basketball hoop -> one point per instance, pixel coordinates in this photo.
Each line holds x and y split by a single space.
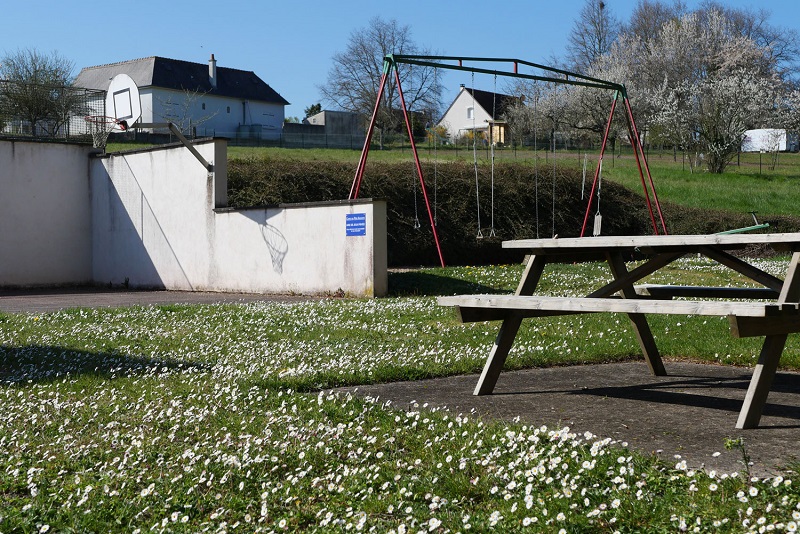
100 126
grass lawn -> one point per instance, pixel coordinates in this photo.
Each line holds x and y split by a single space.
215 418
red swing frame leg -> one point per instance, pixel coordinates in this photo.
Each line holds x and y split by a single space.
356 186
641 163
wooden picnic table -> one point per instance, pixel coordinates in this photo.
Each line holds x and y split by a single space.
775 315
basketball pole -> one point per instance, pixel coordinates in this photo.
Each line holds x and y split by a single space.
174 129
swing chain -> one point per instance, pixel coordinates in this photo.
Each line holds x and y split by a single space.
417 224
475 159
598 217
492 134
536 156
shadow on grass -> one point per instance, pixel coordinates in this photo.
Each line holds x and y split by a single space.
416 283
38 363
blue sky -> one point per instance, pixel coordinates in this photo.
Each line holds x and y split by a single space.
289 43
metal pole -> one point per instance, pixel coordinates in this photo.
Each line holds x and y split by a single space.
646 166
636 145
362 162
419 167
599 164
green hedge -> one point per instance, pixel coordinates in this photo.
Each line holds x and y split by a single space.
264 181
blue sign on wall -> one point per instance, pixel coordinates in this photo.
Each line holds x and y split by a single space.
356 224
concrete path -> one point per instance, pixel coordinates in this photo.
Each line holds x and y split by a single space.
49 300
689 413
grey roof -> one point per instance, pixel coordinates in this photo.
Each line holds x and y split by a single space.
182 76
495 104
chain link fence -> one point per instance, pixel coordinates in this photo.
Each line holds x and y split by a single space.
47 112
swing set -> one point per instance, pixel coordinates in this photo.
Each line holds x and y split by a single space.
551 75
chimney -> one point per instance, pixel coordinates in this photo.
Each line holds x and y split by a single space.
212 71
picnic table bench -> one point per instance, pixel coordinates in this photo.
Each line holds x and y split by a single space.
775 316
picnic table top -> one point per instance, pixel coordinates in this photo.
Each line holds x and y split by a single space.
660 243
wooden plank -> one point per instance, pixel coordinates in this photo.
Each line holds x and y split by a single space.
790 292
700 292
595 305
770 356
477 315
497 356
741 266
531 275
763 326
639 322
629 278
785 241
508 330
761 382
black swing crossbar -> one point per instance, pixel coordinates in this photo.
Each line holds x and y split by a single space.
569 78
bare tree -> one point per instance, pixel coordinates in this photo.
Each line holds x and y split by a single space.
649 16
37 89
356 72
592 35
781 46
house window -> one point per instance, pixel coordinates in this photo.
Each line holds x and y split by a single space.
229 109
470 113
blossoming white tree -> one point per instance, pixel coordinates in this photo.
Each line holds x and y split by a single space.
720 85
698 82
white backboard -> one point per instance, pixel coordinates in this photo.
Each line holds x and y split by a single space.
123 101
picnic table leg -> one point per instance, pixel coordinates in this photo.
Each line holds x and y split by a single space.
497 356
767 366
509 328
640 326
761 382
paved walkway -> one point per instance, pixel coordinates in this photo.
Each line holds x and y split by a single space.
689 413
48 300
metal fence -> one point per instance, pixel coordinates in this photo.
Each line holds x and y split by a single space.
48 112
295 140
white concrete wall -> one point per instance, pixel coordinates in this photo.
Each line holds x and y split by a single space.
45 223
154 226
301 249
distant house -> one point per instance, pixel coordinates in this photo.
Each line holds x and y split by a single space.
769 140
201 99
482 111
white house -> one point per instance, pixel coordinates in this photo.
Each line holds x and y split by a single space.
201 99
482 111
